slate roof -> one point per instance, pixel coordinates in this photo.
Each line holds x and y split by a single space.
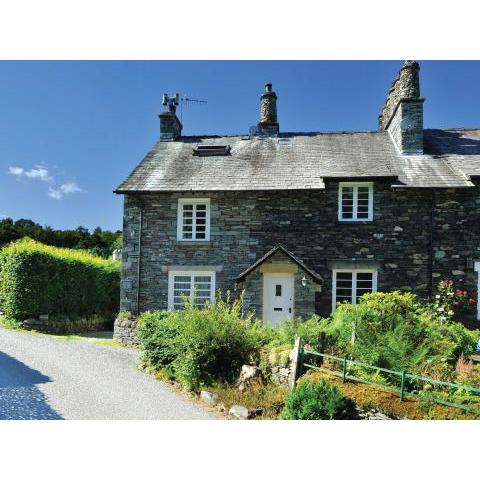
316 277
302 160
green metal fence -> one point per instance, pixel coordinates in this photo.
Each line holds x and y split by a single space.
404 379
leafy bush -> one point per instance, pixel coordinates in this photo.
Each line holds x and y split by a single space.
393 330
316 401
124 315
37 279
157 333
199 346
311 331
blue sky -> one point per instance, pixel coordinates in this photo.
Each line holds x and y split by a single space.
71 131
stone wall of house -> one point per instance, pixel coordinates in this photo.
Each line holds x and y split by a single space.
67 325
245 225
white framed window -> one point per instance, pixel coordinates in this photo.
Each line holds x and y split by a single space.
350 285
355 201
193 219
198 286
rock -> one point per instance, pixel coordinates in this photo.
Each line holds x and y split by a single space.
221 407
371 414
208 397
239 412
247 375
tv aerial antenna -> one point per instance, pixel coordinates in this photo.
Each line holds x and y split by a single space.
185 99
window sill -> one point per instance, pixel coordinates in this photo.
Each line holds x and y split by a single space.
354 222
193 243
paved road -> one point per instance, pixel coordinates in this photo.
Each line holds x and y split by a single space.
43 377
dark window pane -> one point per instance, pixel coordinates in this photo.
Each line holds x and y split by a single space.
278 290
364 276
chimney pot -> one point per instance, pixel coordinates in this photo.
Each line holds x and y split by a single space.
268 124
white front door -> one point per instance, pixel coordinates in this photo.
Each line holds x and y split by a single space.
277 297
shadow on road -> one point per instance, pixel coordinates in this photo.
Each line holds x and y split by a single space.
20 398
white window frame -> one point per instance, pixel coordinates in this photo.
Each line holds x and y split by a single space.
355 186
193 201
189 273
477 269
354 272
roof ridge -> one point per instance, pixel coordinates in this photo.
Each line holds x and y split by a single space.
282 134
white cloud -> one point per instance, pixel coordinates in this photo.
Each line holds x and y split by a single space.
56 194
38 172
71 187
64 189
18 171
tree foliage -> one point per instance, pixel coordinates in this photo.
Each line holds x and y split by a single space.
99 242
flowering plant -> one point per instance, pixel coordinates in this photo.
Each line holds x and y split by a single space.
451 299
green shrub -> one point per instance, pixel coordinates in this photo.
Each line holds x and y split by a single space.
310 330
200 346
124 315
394 331
36 279
157 333
317 401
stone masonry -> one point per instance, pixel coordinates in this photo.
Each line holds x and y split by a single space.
402 115
417 237
67 325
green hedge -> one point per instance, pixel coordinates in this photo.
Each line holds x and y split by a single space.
37 279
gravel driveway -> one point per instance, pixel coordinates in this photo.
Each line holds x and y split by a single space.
43 377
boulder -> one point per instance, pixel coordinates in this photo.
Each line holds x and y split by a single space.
239 412
209 397
248 374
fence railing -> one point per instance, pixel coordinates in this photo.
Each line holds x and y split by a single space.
404 379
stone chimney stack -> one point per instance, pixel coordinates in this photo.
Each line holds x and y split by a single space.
268 124
402 115
170 126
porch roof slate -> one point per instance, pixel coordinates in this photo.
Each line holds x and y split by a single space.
318 278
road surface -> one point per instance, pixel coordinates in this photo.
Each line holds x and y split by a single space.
43 377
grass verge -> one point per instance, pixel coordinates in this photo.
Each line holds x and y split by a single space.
268 397
106 342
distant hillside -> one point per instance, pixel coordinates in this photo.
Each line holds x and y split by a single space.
99 242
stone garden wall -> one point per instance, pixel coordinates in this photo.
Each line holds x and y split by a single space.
125 331
66 325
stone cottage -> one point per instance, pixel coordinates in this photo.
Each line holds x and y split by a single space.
302 221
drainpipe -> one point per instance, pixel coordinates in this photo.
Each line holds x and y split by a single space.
139 254
431 242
